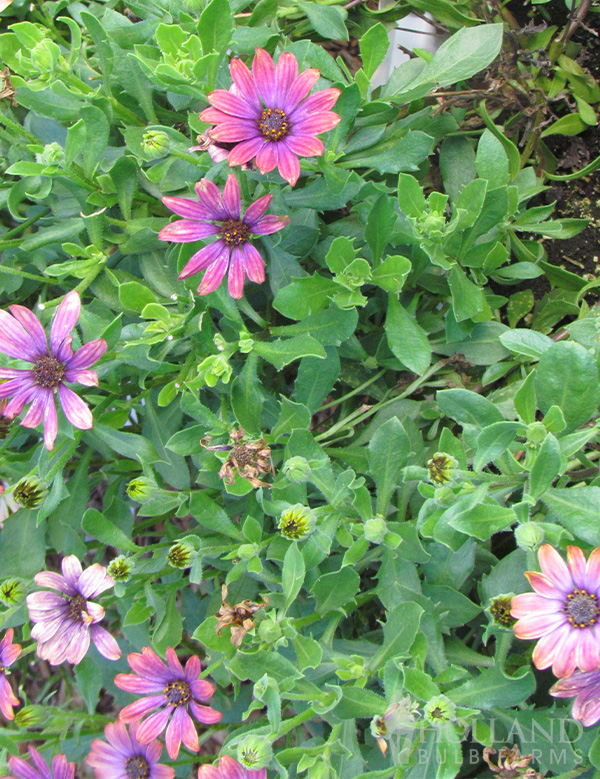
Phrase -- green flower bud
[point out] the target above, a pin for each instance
(499, 610)
(215, 367)
(375, 530)
(246, 552)
(536, 432)
(529, 536)
(30, 716)
(246, 342)
(254, 752)
(121, 568)
(269, 631)
(142, 489)
(44, 56)
(30, 492)
(155, 143)
(296, 470)
(181, 555)
(442, 468)
(52, 154)
(12, 592)
(297, 522)
(439, 710)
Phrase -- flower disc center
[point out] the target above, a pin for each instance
(581, 608)
(137, 767)
(77, 608)
(49, 372)
(273, 124)
(234, 233)
(177, 693)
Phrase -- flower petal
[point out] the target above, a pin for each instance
(149, 665)
(244, 151)
(76, 411)
(135, 711)
(231, 197)
(263, 71)
(189, 736)
(315, 104)
(229, 103)
(235, 130)
(32, 324)
(555, 568)
(105, 643)
(153, 725)
(592, 575)
(543, 585)
(186, 230)
(230, 768)
(35, 413)
(202, 259)
(537, 625)
(237, 274)
(173, 662)
(267, 158)
(64, 321)
(55, 582)
(138, 684)
(89, 354)
(577, 565)
(300, 89)
(255, 210)
(254, 263)
(313, 125)
(270, 224)
(187, 208)
(547, 647)
(205, 714)
(15, 341)
(289, 166)
(210, 197)
(286, 72)
(87, 378)
(244, 81)
(214, 274)
(531, 603)
(305, 145)
(50, 422)
(565, 659)
(588, 652)
(94, 580)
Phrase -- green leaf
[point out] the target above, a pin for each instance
(22, 545)
(292, 574)
(135, 296)
(127, 444)
(359, 702)
(99, 527)
(491, 161)
(252, 665)
(567, 377)
(407, 339)
(246, 397)
(332, 326)
(282, 352)
(392, 155)
(169, 629)
(89, 682)
(373, 48)
(545, 468)
(571, 124)
(187, 441)
(467, 298)
(380, 223)
(464, 406)
(96, 130)
(291, 417)
(335, 590)
(530, 343)
(211, 516)
(493, 441)
(492, 688)
(327, 20)
(483, 520)
(463, 55)
(391, 274)
(215, 26)
(399, 632)
(410, 196)
(577, 510)
(124, 174)
(309, 652)
(304, 296)
(316, 378)
(388, 453)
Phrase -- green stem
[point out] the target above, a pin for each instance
(24, 225)
(24, 274)
(9, 122)
(354, 392)
(63, 459)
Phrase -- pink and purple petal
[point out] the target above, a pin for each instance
(215, 273)
(85, 357)
(577, 565)
(205, 714)
(15, 341)
(230, 768)
(305, 145)
(228, 103)
(270, 224)
(543, 585)
(50, 422)
(210, 197)
(186, 231)
(148, 664)
(244, 81)
(300, 89)
(253, 263)
(76, 411)
(546, 648)
(138, 684)
(237, 274)
(255, 210)
(245, 151)
(234, 130)
(85, 377)
(286, 72)
(537, 625)
(592, 576)
(153, 725)
(203, 258)
(64, 321)
(31, 323)
(321, 101)
(555, 568)
(173, 662)
(313, 125)
(289, 166)
(135, 711)
(105, 643)
(231, 197)
(189, 209)
(531, 603)
(263, 71)
(267, 158)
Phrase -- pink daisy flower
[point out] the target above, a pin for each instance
(563, 612)
(229, 769)
(221, 215)
(173, 691)
(9, 652)
(66, 620)
(23, 338)
(124, 757)
(586, 688)
(268, 114)
(21, 769)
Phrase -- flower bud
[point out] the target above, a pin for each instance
(375, 530)
(181, 555)
(246, 342)
(254, 752)
(121, 568)
(12, 592)
(246, 552)
(30, 492)
(536, 432)
(296, 470)
(44, 56)
(529, 536)
(499, 610)
(297, 522)
(30, 716)
(155, 143)
(442, 468)
(142, 489)
(215, 367)
(52, 154)
(439, 710)
(269, 631)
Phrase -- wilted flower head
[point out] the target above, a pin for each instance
(398, 719)
(499, 609)
(30, 492)
(511, 764)
(180, 555)
(442, 468)
(22, 337)
(221, 215)
(175, 692)
(229, 769)
(120, 569)
(249, 459)
(9, 652)
(585, 687)
(297, 522)
(239, 617)
(268, 115)
(254, 752)
(21, 769)
(563, 612)
(125, 756)
(67, 619)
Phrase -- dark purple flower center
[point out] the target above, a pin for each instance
(274, 124)
(48, 372)
(77, 608)
(581, 608)
(177, 693)
(137, 767)
(234, 233)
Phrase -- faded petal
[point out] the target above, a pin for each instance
(55, 582)
(231, 197)
(536, 625)
(94, 580)
(76, 411)
(214, 275)
(577, 565)
(189, 209)
(65, 319)
(543, 585)
(89, 354)
(105, 643)
(50, 422)
(528, 603)
(254, 264)
(186, 231)
(33, 326)
(555, 568)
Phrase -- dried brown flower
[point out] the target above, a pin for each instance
(249, 458)
(239, 617)
(511, 764)
(7, 88)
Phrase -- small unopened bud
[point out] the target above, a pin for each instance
(246, 552)
(269, 631)
(297, 522)
(30, 492)
(439, 710)
(296, 469)
(52, 154)
(441, 468)
(155, 143)
(536, 432)
(529, 536)
(30, 716)
(12, 592)
(375, 530)
(499, 610)
(142, 489)
(181, 555)
(254, 752)
(121, 568)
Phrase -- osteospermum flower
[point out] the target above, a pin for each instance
(586, 688)
(67, 619)
(124, 757)
(21, 769)
(563, 612)
(9, 652)
(268, 115)
(23, 338)
(174, 692)
(229, 769)
(221, 215)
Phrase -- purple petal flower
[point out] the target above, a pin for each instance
(563, 612)
(172, 690)
(9, 652)
(65, 621)
(23, 338)
(125, 757)
(229, 769)
(586, 688)
(268, 115)
(232, 251)
(21, 769)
